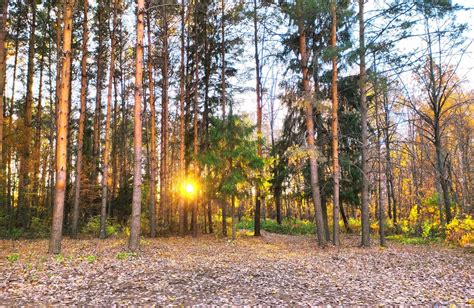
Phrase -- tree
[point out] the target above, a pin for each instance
(258, 196)
(134, 240)
(82, 118)
(106, 152)
(25, 163)
(153, 155)
(335, 131)
(62, 130)
(363, 110)
(308, 107)
(3, 67)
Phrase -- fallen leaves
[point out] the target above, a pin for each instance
(272, 270)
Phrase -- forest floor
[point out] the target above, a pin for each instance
(271, 270)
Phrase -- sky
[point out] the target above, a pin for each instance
(247, 101)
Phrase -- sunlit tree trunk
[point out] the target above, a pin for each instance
(335, 131)
(24, 172)
(62, 130)
(313, 161)
(134, 240)
(82, 118)
(363, 109)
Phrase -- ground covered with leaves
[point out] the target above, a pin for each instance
(273, 269)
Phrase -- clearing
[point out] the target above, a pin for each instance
(273, 270)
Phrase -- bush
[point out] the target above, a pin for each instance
(288, 226)
(461, 231)
(93, 226)
(38, 228)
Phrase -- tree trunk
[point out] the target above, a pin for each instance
(195, 139)
(164, 121)
(335, 145)
(82, 118)
(3, 69)
(363, 108)
(62, 131)
(134, 240)
(153, 155)
(98, 96)
(182, 140)
(106, 152)
(313, 161)
(24, 172)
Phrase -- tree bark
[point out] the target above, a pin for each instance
(153, 155)
(62, 131)
(3, 68)
(182, 140)
(258, 197)
(24, 169)
(164, 120)
(335, 131)
(363, 107)
(106, 152)
(134, 241)
(82, 118)
(313, 161)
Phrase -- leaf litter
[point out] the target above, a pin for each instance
(271, 270)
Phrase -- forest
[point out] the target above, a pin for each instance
(236, 152)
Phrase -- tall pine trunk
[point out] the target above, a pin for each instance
(3, 67)
(153, 155)
(313, 161)
(335, 131)
(363, 109)
(134, 240)
(62, 131)
(181, 123)
(24, 173)
(164, 120)
(258, 197)
(106, 153)
(82, 118)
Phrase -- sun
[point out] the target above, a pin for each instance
(189, 188)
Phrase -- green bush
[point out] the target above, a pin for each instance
(38, 228)
(288, 226)
(92, 227)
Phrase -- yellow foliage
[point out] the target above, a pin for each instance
(461, 231)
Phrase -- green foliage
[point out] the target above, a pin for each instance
(232, 157)
(39, 228)
(91, 258)
(13, 257)
(404, 239)
(92, 227)
(461, 231)
(288, 226)
(59, 258)
(125, 255)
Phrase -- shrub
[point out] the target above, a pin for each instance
(125, 255)
(461, 231)
(38, 228)
(93, 226)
